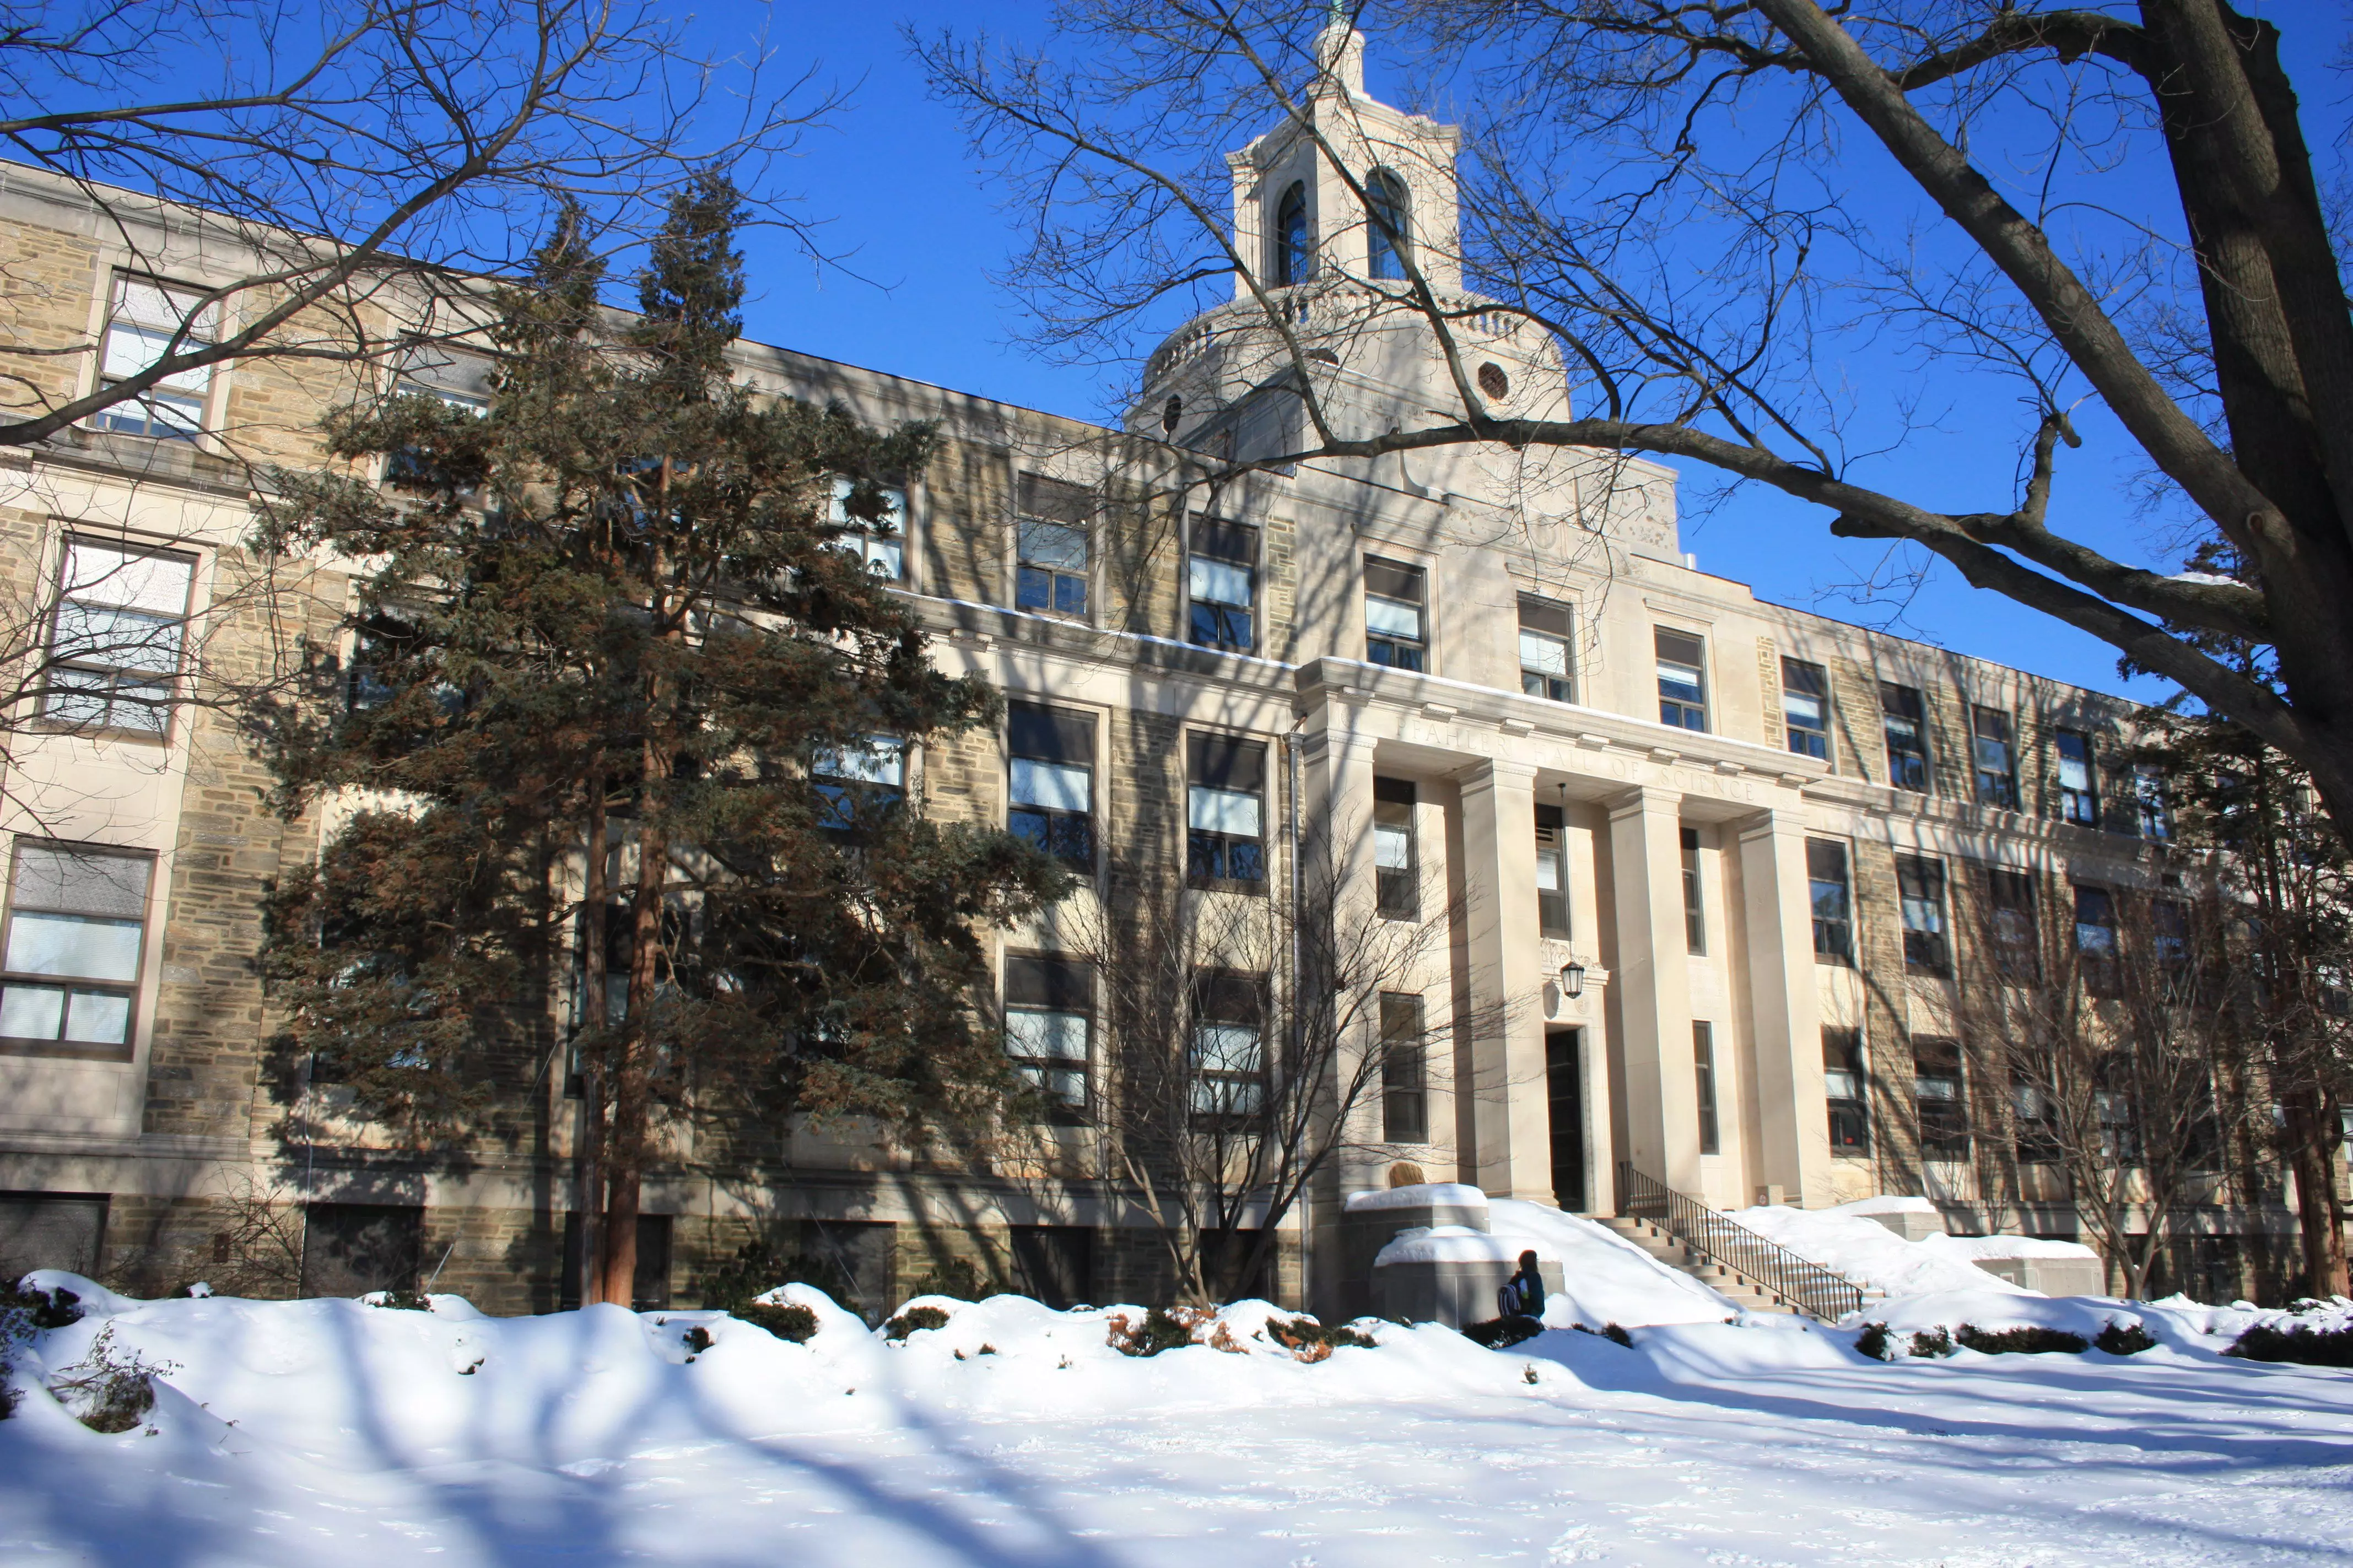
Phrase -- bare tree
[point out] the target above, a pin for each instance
(2114, 1062)
(1709, 209)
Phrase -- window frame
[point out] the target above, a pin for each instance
(1032, 1067)
(1704, 1085)
(1535, 614)
(111, 420)
(1554, 916)
(2152, 816)
(1043, 501)
(1953, 1143)
(1225, 547)
(1694, 893)
(1927, 950)
(1410, 654)
(1227, 999)
(1995, 787)
(851, 795)
(2102, 973)
(1396, 889)
(1802, 739)
(1850, 1112)
(1290, 263)
(868, 543)
(1211, 854)
(1833, 938)
(1387, 199)
(2017, 955)
(1052, 821)
(1676, 712)
(2080, 807)
(1903, 763)
(1405, 1068)
(132, 991)
(55, 695)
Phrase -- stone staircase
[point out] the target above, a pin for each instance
(1729, 1283)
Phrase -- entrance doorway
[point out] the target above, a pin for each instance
(1565, 1098)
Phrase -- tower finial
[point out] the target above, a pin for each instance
(1340, 48)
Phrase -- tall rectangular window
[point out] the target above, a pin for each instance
(1552, 874)
(2098, 954)
(1397, 857)
(881, 543)
(2079, 797)
(1996, 758)
(1050, 1025)
(1805, 707)
(1904, 718)
(2034, 1123)
(1682, 677)
(860, 782)
(1920, 888)
(2017, 940)
(1694, 906)
(1221, 578)
(115, 645)
(1405, 1070)
(1845, 1086)
(1051, 538)
(1229, 1052)
(143, 319)
(2156, 823)
(1395, 601)
(1711, 1141)
(1942, 1098)
(1225, 812)
(1826, 880)
(1545, 641)
(76, 934)
(1052, 780)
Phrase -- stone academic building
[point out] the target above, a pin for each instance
(1709, 867)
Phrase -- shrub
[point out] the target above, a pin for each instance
(107, 1391)
(404, 1300)
(756, 1269)
(2023, 1340)
(2296, 1343)
(1499, 1333)
(1617, 1336)
(2124, 1338)
(906, 1322)
(1162, 1329)
(1872, 1342)
(1931, 1344)
(954, 1276)
(697, 1339)
(785, 1319)
(1310, 1340)
(29, 1311)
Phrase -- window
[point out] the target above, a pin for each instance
(1703, 1078)
(1682, 686)
(52, 1230)
(1052, 574)
(1405, 1072)
(2113, 1106)
(1920, 888)
(1224, 810)
(350, 1249)
(1050, 1025)
(1805, 707)
(2034, 1123)
(1845, 1086)
(1905, 720)
(76, 925)
(2079, 799)
(2097, 954)
(1229, 1044)
(1997, 761)
(1387, 236)
(121, 617)
(142, 322)
(1695, 910)
(2148, 794)
(863, 781)
(2017, 940)
(1826, 879)
(1552, 874)
(457, 378)
(1222, 580)
(1937, 1089)
(2169, 920)
(1052, 783)
(1397, 871)
(1294, 258)
(1544, 650)
(883, 543)
(1394, 633)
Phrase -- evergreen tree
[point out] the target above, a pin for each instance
(606, 647)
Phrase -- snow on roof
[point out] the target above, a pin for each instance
(1421, 1195)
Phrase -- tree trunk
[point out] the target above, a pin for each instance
(633, 1088)
(2314, 1132)
(588, 1176)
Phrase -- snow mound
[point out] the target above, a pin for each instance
(1604, 1278)
(1976, 1246)
(1994, 1309)
(1423, 1195)
(1459, 1244)
(1847, 1242)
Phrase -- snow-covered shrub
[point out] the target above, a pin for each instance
(2294, 1341)
(1499, 1333)
(906, 1322)
(791, 1321)
(1310, 1340)
(107, 1391)
(402, 1301)
(2124, 1338)
(1162, 1329)
(1932, 1344)
(696, 1340)
(2023, 1340)
(24, 1312)
(1872, 1342)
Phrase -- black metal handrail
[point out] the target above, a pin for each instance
(1808, 1286)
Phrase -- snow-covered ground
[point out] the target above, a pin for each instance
(310, 1432)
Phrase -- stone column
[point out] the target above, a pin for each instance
(1512, 1120)
(1785, 1007)
(1653, 980)
(1336, 850)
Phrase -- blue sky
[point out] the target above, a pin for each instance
(919, 232)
